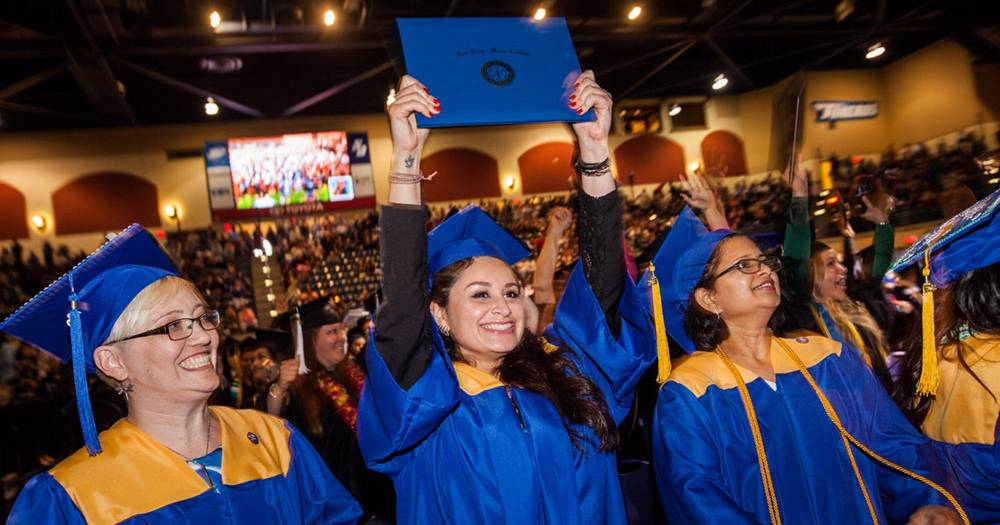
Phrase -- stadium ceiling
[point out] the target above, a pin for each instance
(93, 63)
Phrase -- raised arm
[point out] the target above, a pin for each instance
(704, 197)
(559, 220)
(798, 236)
(600, 223)
(884, 243)
(403, 327)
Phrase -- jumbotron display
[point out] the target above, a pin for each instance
(288, 174)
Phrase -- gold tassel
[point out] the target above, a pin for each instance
(662, 348)
(928, 383)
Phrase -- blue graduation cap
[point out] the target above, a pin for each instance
(675, 270)
(471, 233)
(965, 242)
(961, 244)
(87, 301)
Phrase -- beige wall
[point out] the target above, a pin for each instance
(933, 93)
(912, 107)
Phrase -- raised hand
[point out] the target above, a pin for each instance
(703, 197)
(800, 180)
(878, 213)
(559, 220)
(592, 136)
(411, 98)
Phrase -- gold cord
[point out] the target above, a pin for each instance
(765, 471)
(758, 440)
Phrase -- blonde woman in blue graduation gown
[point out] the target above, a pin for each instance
(475, 419)
(753, 428)
(173, 460)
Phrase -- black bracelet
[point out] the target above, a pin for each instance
(595, 169)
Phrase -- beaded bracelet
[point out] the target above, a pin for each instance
(409, 178)
(595, 169)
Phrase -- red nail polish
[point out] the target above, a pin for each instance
(427, 91)
(572, 104)
(579, 111)
(572, 97)
(437, 102)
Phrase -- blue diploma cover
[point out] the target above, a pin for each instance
(493, 71)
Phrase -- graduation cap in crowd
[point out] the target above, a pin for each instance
(315, 313)
(277, 342)
(471, 233)
(672, 275)
(74, 315)
(966, 242)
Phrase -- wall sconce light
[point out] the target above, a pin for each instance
(509, 182)
(39, 222)
(173, 212)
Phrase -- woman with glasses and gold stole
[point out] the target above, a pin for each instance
(752, 428)
(173, 459)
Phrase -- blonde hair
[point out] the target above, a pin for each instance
(133, 319)
(135, 316)
(850, 312)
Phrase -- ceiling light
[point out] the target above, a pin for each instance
(329, 17)
(211, 108)
(720, 82)
(214, 19)
(876, 50)
(634, 12)
(539, 13)
(675, 109)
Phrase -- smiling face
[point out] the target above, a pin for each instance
(158, 367)
(484, 311)
(736, 294)
(829, 276)
(330, 344)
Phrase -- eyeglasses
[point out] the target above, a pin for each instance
(752, 266)
(181, 328)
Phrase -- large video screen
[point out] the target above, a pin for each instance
(288, 174)
(290, 169)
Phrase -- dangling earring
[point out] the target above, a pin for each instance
(718, 316)
(445, 331)
(124, 387)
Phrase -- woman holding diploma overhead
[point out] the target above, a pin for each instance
(474, 418)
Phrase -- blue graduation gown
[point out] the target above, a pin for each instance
(459, 452)
(706, 464)
(270, 473)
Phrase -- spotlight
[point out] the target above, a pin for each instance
(539, 13)
(38, 222)
(329, 17)
(214, 19)
(675, 109)
(876, 50)
(211, 108)
(720, 82)
(634, 12)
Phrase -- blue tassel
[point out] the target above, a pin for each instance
(80, 377)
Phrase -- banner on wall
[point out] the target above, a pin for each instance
(835, 110)
(289, 174)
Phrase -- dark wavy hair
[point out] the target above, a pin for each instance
(971, 302)
(706, 329)
(553, 375)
